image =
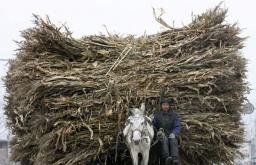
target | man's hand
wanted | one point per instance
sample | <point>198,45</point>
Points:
<point>172,135</point>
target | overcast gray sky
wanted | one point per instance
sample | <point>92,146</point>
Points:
<point>85,17</point>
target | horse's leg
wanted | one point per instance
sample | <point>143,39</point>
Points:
<point>145,148</point>
<point>145,157</point>
<point>134,155</point>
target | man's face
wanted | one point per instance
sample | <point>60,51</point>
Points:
<point>165,106</point>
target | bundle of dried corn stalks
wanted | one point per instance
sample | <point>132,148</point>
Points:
<point>68,98</point>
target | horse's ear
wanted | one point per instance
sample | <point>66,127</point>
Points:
<point>142,108</point>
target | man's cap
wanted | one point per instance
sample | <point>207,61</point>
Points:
<point>167,100</point>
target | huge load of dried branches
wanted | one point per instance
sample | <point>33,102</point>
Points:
<point>68,98</point>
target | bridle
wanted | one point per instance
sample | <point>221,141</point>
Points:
<point>144,132</point>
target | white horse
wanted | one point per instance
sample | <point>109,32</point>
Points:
<point>138,133</point>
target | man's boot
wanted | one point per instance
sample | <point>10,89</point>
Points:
<point>168,161</point>
<point>175,161</point>
<point>172,161</point>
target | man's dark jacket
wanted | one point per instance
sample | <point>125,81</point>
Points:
<point>169,121</point>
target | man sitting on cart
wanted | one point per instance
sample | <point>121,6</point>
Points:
<point>167,125</point>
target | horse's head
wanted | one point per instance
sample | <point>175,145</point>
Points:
<point>137,123</point>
